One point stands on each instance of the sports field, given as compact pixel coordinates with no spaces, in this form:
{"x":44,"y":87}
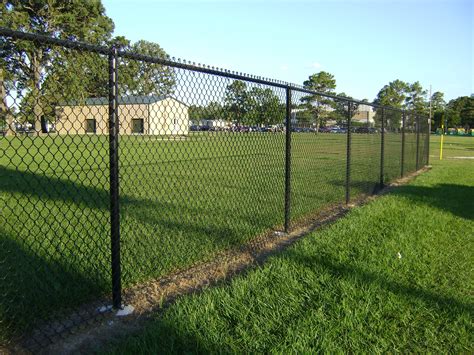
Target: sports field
{"x":182,"y":201}
{"x":395,"y":275}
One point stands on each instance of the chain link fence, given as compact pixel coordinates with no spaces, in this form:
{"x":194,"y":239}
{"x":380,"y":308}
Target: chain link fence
{"x":117,"y":168}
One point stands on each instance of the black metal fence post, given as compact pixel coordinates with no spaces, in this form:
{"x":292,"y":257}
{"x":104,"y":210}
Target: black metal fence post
{"x":114,"y":179}
{"x":382,"y":150}
{"x":427,"y":142}
{"x":288,"y":161}
{"x":417,"y":125}
{"x":402,"y":162}
{"x":348,"y":154}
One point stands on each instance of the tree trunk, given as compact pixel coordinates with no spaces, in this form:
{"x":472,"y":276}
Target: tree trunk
{"x":37,"y":107}
{"x":318,"y":121}
{"x":4,"y":113}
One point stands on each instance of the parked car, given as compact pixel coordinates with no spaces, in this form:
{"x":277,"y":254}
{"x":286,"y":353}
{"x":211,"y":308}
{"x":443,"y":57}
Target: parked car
{"x":195,"y":128}
{"x":240,"y":129}
{"x":361,"y":130}
{"x":366,"y":130}
{"x":337,"y":130}
{"x":24,"y":128}
{"x":324,"y":129}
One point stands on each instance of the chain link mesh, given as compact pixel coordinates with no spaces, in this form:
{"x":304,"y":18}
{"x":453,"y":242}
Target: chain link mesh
{"x":55,"y":225}
{"x":365,"y":152}
{"x":202,"y":169}
{"x":392,"y":143}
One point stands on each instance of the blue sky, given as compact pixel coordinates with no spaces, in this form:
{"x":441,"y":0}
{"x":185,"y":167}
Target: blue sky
{"x":364,"y":44}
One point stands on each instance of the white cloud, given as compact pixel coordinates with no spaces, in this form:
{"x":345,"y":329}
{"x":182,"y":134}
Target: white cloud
{"x":284,"y":67}
{"x":316,"y":65}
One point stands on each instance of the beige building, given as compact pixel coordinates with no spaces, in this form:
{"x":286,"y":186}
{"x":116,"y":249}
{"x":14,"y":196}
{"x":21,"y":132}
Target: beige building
{"x":148,"y":115}
{"x":365,"y":114}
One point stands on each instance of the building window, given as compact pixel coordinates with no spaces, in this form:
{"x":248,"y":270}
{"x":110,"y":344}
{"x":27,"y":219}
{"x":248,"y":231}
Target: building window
{"x":137,"y":125}
{"x":91,"y":125}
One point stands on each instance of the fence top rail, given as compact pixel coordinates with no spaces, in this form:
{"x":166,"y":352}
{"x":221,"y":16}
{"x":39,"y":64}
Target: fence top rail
{"x":171,"y":62}
{"x":7,"y":32}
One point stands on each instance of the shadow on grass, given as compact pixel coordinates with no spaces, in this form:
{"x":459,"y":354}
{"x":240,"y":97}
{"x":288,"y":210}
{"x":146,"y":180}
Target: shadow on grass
{"x":452,"y":198}
{"x":359,"y":186}
{"x":49,"y":257}
{"x":33,"y":288}
{"x":162,"y":337}
{"x":145,"y":210}
{"x":346,"y":271}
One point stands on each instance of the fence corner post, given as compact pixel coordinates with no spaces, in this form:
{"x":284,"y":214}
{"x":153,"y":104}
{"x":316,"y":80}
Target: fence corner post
{"x":427,"y":142}
{"x":114,"y":180}
{"x":382,"y":151}
{"x":417,"y":125}
{"x":348,"y":153}
{"x":402,"y":160}
{"x":288,"y":160}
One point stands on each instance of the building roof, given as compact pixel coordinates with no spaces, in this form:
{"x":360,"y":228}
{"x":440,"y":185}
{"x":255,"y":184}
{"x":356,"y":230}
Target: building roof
{"x":122,"y":100}
{"x":126,"y":100}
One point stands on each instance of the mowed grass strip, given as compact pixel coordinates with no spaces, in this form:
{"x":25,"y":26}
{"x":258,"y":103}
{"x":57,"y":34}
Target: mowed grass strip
{"x":181,"y":202}
{"x":394,"y":275}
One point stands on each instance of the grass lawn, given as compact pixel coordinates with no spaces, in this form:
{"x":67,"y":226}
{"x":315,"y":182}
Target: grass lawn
{"x":394,"y":275}
{"x":181,"y":203}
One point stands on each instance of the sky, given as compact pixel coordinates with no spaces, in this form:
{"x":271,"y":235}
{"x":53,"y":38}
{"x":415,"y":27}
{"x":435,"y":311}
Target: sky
{"x":365,"y":44}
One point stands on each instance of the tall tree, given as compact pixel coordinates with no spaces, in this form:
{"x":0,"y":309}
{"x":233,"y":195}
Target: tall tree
{"x":437,"y":101}
{"x":31,"y":62}
{"x":467,"y":113}
{"x":5,"y":114}
{"x":237,"y":101}
{"x":393,"y":94}
{"x":145,"y":78}
{"x":416,"y":98}
{"x":460,"y":112}
{"x":401,"y":95}
{"x":438,"y":107}
{"x":342,"y":108}
{"x":322,"y":82}
{"x":212,"y":111}
{"x":265,"y":106}
{"x":215,"y":110}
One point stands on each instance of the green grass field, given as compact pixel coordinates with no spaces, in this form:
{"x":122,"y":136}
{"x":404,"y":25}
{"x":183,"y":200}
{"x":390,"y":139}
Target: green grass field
{"x":395,"y":275}
{"x":181,"y":203}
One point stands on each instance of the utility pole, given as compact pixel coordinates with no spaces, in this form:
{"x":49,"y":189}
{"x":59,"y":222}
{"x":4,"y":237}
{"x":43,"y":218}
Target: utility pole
{"x":429,"y":123}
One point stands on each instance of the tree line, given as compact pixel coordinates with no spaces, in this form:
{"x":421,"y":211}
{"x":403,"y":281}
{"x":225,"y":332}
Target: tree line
{"x":458,"y":112}
{"x":39,"y":77}
{"x":262,"y":106}
{"x":397,"y":94}
{"x":243,"y":105}
{"x":246,"y":105}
